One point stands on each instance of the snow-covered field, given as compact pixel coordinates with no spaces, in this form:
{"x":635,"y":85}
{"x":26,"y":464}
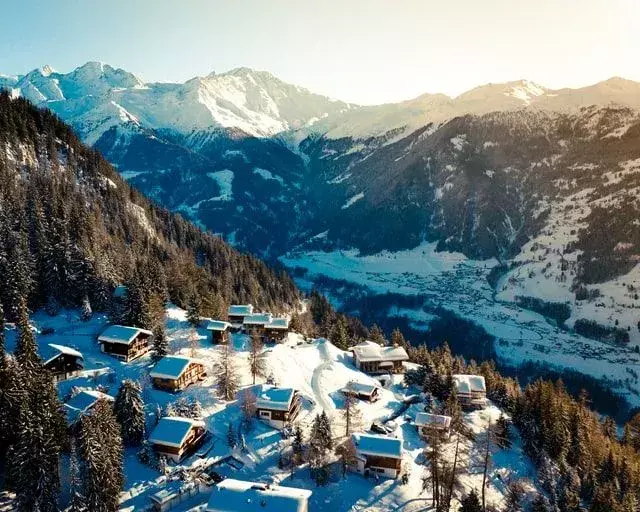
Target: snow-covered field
{"x":453,"y":282}
{"x":318,"y":370}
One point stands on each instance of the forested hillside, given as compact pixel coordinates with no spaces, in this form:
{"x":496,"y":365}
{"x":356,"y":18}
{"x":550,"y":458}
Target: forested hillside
{"x":71,"y":231}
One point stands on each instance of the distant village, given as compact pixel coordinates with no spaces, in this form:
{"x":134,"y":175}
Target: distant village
{"x":373,"y":452}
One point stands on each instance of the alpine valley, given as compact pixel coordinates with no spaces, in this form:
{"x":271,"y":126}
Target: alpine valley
{"x":512,"y":206}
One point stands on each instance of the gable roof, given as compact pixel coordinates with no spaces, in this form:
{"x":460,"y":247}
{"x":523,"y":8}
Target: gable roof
{"x":173,"y":430}
{"x":359,"y":387}
{"x":258,"y":319}
{"x":370,"y":351}
{"x":170,"y":367}
{"x":240,"y":496}
{"x":278,"y":323}
{"x":240,"y":310}
{"x":274,"y":398}
{"x":121,"y":334}
{"x":467,"y":384}
{"x":436,"y":420}
{"x":50,"y":351}
{"x":218,"y":325}
{"x":82,"y":402}
{"x":383,"y":446}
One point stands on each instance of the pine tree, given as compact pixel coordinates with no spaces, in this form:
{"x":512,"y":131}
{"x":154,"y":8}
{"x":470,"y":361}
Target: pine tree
{"x":231,"y":437}
{"x":471,"y":503}
{"x":101,"y":453}
{"x":351,"y":413}
{"x":194,"y":310}
{"x":86,"y":312}
{"x":160,"y":343}
{"x":339,"y":333}
{"x":502,"y":434}
{"x":75,"y":485}
{"x":540,"y":504}
{"x":257,"y":360}
{"x":248,"y":407}
{"x":225,"y":373}
{"x":397,"y":338}
{"x":129,"y":411}
{"x":347,"y":453}
{"x":320,"y":443}
{"x":26,"y":349}
{"x":297,"y":446}
{"x":377,"y":335}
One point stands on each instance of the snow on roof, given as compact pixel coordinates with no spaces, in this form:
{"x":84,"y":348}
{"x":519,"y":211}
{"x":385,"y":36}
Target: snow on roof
{"x":121,"y":334}
{"x":173,"y":430}
{"x":278,"y":323}
{"x":83,"y":401}
{"x":383,"y":446}
{"x":240,"y":496}
{"x":275,"y":398}
{"x":369,"y":351}
{"x":51,"y":351}
{"x":240,"y":310}
{"x":436,"y":420}
{"x":218,"y":325}
{"x":467,"y":384}
{"x":359,"y":387}
{"x":258,"y":319}
{"x":170,"y":367}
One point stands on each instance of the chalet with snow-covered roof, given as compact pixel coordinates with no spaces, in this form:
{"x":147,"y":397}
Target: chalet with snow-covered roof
{"x":82,"y":403}
{"x":277,"y":329}
{"x":368,"y":392}
{"x":219,"y":331}
{"x":126,"y":343}
{"x":369,"y":357}
{"x":237,"y":312}
{"x":277,"y":406}
{"x":62,"y":361}
{"x":471,"y":390}
{"x":175,"y":373}
{"x":175,"y":437}
{"x":232,"y":495}
{"x":426,"y":422}
{"x":377,"y":454}
{"x":256,"y":323}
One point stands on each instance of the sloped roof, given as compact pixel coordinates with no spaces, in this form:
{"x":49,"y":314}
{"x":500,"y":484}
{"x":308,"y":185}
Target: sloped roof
{"x":467,"y":384}
{"x":258,"y":319}
{"x":278,"y":323}
{"x":370,"y":351}
{"x":240,"y":496}
{"x":170,"y":367}
{"x":50,"y":351}
{"x":173,"y":430}
{"x":274,"y":398}
{"x":121,"y":334}
{"x":371,"y":444}
{"x":83,"y":401}
{"x":240,"y":310}
{"x":359,"y":387}
{"x":437,"y":420}
{"x":218,"y":325}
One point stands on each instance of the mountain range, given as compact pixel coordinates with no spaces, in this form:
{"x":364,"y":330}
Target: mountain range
{"x":543,"y":182}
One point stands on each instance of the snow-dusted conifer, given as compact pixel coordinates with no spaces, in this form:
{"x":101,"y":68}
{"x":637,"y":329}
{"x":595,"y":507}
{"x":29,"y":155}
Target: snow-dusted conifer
{"x":225,"y":373}
{"x":231,"y":437}
{"x":129,"y":411}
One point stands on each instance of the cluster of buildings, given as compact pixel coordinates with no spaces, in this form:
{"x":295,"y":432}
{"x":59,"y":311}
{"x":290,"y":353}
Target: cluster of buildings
{"x":243,"y":318}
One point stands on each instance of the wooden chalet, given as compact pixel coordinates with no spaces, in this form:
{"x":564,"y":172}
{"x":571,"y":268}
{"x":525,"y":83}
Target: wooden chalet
{"x":471,"y":390}
{"x":237,"y":313}
{"x":82,"y":403}
{"x":126,"y":343}
{"x":381,"y":455}
{"x":277,"y":406}
{"x":175,"y":373}
{"x":241,"y":496}
{"x":369,"y":357}
{"x":367,"y":392}
{"x":426,"y":422}
{"x":63,"y":362}
{"x":219,"y":331}
{"x":277,"y":329}
{"x":175,"y":437}
{"x":256,"y":323}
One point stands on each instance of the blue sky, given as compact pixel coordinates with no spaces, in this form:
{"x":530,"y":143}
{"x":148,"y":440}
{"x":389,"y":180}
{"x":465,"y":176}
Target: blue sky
{"x":366,"y":51}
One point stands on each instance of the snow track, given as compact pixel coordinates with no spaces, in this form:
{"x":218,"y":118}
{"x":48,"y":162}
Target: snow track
{"x":322,"y":397}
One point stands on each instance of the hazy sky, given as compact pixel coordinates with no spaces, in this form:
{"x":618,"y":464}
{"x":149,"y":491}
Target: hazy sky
{"x":365,"y":51}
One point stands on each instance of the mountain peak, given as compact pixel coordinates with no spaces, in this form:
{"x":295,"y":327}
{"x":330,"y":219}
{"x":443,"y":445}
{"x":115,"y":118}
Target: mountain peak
{"x":46,"y":70}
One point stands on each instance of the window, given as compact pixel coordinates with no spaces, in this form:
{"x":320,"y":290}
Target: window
{"x":265,"y":414}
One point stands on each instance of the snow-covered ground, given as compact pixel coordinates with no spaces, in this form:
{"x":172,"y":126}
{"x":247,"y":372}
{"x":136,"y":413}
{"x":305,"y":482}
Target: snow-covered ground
{"x":451,"y":281}
{"x":318,"y":370}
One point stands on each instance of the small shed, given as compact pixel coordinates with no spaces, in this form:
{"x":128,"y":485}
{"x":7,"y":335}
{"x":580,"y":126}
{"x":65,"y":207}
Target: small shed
{"x":368,"y":392}
{"x":176,"y":437}
{"x":241,"y":496}
{"x":175,"y":373}
{"x":124,"y":342}
{"x":219,"y":331}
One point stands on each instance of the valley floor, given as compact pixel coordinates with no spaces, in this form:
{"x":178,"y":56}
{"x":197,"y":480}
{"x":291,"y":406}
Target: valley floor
{"x":318,"y":370}
{"x":460,"y":285}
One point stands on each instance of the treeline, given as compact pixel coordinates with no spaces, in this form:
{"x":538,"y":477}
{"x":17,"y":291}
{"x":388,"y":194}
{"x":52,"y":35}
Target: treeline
{"x":71,"y":230}
{"x":582,"y":462}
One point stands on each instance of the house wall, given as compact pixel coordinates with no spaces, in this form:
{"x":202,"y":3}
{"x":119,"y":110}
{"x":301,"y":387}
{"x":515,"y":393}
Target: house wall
{"x":387,"y":466}
{"x":219,"y":337}
{"x":64,"y":366}
{"x":138,"y":347}
{"x":193,"y":373}
{"x":275,"y":334}
{"x":174,"y":453}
